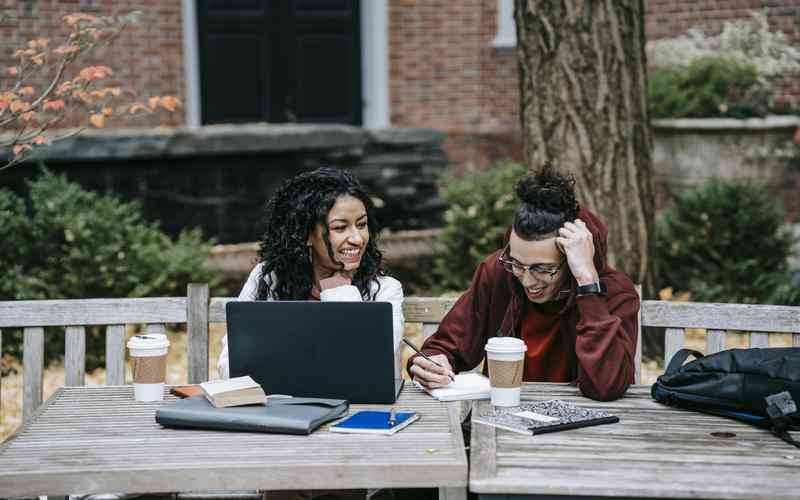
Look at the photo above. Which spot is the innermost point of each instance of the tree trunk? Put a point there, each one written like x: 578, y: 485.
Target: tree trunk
x: 584, y: 110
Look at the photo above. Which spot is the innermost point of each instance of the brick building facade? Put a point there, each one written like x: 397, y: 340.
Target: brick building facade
x: 426, y: 63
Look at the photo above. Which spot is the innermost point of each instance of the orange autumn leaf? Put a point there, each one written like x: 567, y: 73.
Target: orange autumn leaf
x: 26, y: 117
x: 107, y: 111
x: 18, y: 149
x: 115, y: 91
x: 37, y: 60
x: 27, y: 90
x: 170, y: 103
x: 135, y: 108
x: 64, y: 88
x: 39, y: 139
x: 53, y: 105
x: 66, y: 49
x: 153, y: 102
x: 98, y: 120
x: 18, y: 106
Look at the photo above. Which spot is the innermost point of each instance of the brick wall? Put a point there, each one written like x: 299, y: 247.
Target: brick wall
x: 445, y: 74
x: 147, y: 57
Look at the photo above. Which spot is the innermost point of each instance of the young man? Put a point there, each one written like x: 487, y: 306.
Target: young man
x: 550, y: 287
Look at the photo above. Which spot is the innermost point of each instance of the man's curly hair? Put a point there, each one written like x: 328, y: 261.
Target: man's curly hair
x: 291, y: 215
x: 547, y: 202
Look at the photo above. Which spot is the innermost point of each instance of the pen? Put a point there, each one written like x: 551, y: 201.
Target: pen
x: 392, y: 417
x: 416, y: 349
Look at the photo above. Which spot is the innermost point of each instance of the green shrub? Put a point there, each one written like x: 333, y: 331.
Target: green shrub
x: 726, y: 242
x: 481, y: 205
x: 68, y: 243
x: 708, y: 87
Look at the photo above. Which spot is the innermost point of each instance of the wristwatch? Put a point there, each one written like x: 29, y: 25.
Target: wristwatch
x: 595, y: 288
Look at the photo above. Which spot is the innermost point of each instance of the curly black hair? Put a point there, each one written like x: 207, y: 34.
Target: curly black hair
x: 291, y: 214
x: 547, y: 201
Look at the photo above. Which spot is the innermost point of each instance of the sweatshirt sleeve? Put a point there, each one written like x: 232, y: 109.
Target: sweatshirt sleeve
x: 463, y: 331
x: 605, y: 344
x: 249, y: 292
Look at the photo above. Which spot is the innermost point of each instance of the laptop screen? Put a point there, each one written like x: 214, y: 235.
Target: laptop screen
x: 314, y: 349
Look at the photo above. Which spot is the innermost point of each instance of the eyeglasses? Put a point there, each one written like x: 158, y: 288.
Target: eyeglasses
x: 541, y: 271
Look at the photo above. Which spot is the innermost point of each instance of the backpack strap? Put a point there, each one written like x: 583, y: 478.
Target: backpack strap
x: 782, y: 412
x: 677, y: 360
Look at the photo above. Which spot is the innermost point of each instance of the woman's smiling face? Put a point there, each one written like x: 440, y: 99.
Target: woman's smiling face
x: 348, y: 234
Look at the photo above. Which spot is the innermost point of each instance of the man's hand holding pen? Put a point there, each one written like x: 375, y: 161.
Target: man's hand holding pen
x: 432, y: 373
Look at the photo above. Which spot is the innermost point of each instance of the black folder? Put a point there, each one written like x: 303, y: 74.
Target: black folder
x: 278, y: 415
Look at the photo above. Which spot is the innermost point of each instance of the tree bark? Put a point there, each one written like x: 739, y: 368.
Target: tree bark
x: 582, y: 71
x: 584, y: 110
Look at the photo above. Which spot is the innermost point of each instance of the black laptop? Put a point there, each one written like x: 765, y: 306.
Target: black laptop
x: 342, y: 350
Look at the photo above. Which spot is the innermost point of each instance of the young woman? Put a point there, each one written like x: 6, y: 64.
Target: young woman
x: 320, y: 243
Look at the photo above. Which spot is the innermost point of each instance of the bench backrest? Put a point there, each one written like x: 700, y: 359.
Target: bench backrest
x: 197, y: 310
x: 758, y: 320
x: 33, y: 315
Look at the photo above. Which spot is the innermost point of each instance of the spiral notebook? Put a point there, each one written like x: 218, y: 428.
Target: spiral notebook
x: 542, y: 417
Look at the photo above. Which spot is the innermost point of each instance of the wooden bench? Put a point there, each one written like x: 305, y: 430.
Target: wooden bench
x: 197, y: 310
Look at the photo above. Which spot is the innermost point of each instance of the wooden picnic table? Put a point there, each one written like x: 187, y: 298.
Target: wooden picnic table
x: 655, y: 451
x: 99, y: 440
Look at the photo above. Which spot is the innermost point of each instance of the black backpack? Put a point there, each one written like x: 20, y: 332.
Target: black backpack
x: 758, y: 386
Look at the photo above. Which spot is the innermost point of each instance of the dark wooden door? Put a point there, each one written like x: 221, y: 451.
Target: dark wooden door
x: 280, y: 61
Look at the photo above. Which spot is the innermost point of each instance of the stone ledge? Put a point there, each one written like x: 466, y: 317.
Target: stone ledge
x: 220, y: 140
x: 726, y: 124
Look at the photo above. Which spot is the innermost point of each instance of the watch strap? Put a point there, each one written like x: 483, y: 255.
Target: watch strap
x: 595, y: 288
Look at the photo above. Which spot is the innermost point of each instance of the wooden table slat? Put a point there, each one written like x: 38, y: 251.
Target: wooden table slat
x: 98, y: 439
x: 655, y: 451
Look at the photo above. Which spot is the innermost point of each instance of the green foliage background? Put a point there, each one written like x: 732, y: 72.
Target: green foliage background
x: 67, y: 243
x: 727, y: 242
x: 481, y: 207
x: 708, y: 87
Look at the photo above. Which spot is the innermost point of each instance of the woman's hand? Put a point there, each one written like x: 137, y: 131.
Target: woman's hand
x: 576, y: 242
x: 429, y: 375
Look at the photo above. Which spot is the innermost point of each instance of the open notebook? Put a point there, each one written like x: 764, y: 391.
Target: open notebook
x: 465, y: 386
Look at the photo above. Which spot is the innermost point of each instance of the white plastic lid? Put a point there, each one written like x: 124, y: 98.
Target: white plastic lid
x: 148, y: 341
x: 506, y: 345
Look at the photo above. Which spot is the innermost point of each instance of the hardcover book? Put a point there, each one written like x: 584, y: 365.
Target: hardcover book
x: 233, y: 392
x: 545, y: 416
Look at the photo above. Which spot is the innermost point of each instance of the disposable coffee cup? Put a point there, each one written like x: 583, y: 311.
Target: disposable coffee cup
x: 506, y: 358
x: 149, y: 360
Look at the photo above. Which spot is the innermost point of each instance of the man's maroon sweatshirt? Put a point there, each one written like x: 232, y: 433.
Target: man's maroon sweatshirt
x: 598, y: 331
